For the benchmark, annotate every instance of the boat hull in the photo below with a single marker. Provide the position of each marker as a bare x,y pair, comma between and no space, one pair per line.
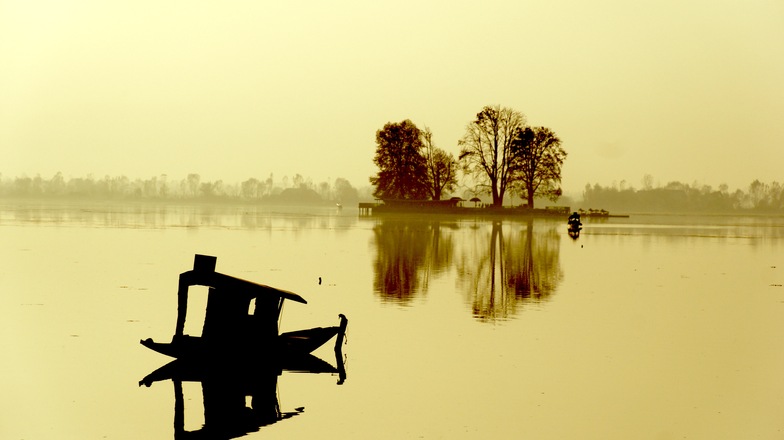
289,344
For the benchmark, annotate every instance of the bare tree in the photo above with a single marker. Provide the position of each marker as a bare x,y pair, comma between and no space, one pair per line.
487,149
441,167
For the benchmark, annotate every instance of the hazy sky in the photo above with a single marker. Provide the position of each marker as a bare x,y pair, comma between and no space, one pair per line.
681,90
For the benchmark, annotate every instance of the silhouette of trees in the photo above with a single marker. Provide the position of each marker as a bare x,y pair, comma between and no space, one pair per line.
192,188
211,190
757,197
410,165
682,197
252,189
539,157
441,167
344,192
402,167
487,149
191,185
764,197
27,186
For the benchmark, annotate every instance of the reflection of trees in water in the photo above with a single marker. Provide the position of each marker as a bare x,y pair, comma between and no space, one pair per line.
498,267
539,269
500,271
408,254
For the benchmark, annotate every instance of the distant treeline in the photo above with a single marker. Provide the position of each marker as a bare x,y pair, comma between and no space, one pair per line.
297,190
681,197
759,197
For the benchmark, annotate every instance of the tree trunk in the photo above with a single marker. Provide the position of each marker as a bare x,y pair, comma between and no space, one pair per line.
498,200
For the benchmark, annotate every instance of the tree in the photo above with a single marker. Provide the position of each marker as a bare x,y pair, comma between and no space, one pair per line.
269,185
486,149
250,189
647,182
539,157
441,167
344,192
402,169
56,185
211,190
192,184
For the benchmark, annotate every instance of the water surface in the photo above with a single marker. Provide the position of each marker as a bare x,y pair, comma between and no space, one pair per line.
651,327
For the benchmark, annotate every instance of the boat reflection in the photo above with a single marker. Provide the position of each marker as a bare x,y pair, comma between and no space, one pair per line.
226,388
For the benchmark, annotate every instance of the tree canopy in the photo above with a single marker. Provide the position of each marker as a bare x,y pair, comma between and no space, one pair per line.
539,157
403,171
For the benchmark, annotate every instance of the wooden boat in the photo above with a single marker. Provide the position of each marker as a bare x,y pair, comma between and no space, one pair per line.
230,330
289,343
575,225
574,222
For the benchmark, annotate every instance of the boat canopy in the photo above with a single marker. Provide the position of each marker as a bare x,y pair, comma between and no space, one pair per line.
229,298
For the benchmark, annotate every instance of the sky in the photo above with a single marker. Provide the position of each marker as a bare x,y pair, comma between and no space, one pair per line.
689,90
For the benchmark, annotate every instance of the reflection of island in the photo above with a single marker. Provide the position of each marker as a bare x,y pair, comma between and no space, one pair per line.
226,387
408,253
502,271
499,265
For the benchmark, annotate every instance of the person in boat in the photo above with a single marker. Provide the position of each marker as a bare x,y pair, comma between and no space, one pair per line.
574,223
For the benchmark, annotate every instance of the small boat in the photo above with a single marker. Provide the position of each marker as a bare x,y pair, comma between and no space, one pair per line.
575,225
289,343
230,329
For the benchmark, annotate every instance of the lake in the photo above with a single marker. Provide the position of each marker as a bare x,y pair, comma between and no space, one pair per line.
648,327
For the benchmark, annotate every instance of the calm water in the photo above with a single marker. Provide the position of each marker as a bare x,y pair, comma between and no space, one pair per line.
664,327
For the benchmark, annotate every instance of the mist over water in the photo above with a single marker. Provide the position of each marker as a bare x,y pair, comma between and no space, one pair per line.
648,327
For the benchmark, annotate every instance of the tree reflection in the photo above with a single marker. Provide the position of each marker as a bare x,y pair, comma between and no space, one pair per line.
498,273
408,254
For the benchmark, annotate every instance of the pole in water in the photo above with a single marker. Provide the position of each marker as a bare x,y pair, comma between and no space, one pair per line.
341,332
339,349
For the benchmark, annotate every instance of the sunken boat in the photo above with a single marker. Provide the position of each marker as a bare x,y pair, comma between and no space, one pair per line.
231,330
